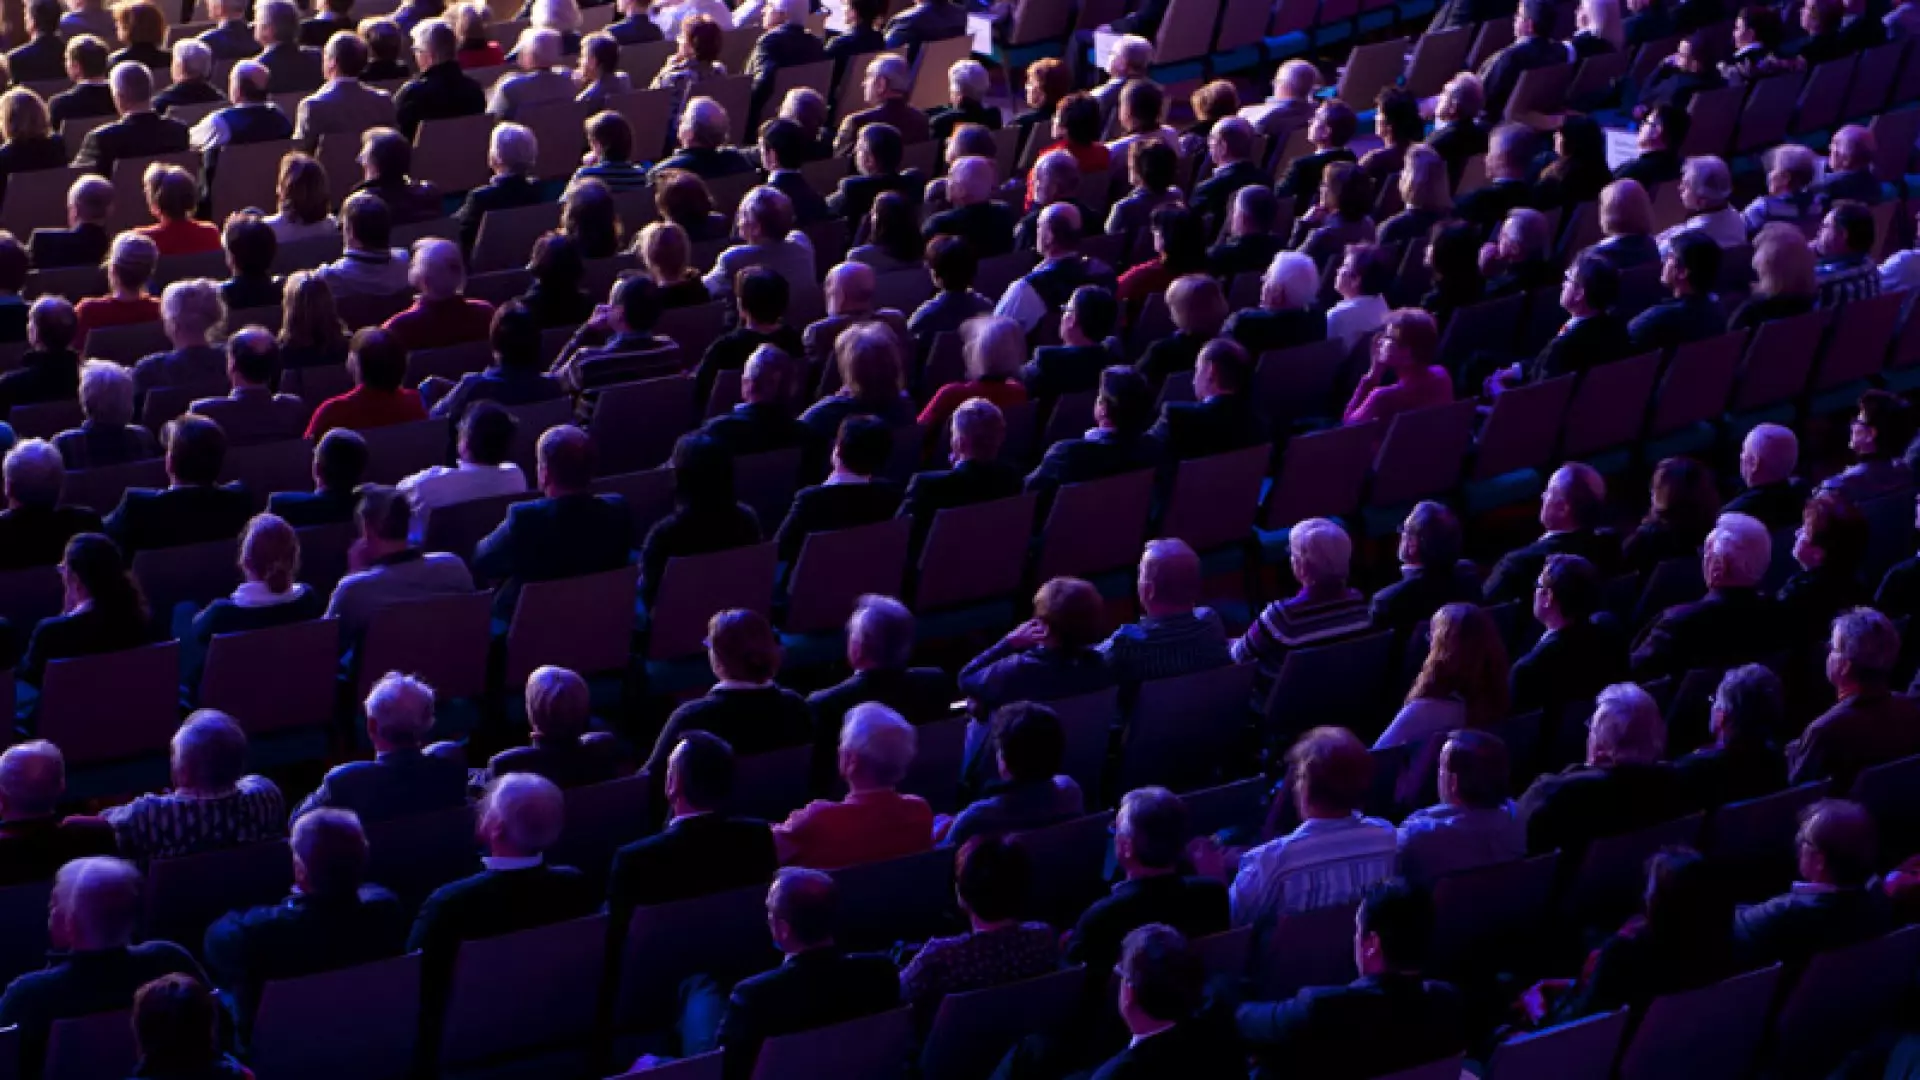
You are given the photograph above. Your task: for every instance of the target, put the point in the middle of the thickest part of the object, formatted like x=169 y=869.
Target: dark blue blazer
x=827 y=507
x=495 y=902
x=1213 y=197
x=84 y=633
x=302 y=935
x=147 y=519
x=396 y=784
x=301 y=509
x=813 y=989
x=929 y=20
x=549 y=539
x=785 y=46
x=808 y=205
x=83 y=245
x=1074 y=461
x=1674 y=323
x=692 y=856
x=1218 y=425
x=1065 y=369
x=38 y=535
x=752 y=428
x=967 y=483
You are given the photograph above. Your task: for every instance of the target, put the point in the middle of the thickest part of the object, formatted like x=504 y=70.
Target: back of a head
x=1172 y=568
x=638 y=299
x=743 y=645
x=515 y=336
x=99 y=900
x=377 y=359
x=34 y=474
x=702 y=472
x=1400 y=918
x=1031 y=740
x=565 y=455
x=209 y=752
x=1330 y=770
x=196 y=449
x=1126 y=398
x=1626 y=728
x=993 y=876
x=1843 y=834
x=807 y=901
x=1155 y=822
x=1739 y=551
x=33 y=776
x=880 y=740
x=340 y=461
x=1750 y=705
x=559 y=704
x=1478 y=762
x=1434 y=532
x=176 y=1023
x=253 y=356
x=703 y=766
x=526 y=809
x=1868 y=644
x=369 y=223
x=1575 y=584
x=882 y=629
x=400 y=708
x=1162 y=976
x=331 y=848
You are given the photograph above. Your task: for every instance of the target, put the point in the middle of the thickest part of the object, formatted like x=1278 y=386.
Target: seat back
x=417 y=854
x=112 y=706
x=836 y=568
x=92 y=1046
x=909 y=898
x=1486 y=915
x=1779 y=359
x=635 y=425
x=125 y=345
x=443 y=640
x=972 y=1031
x=193 y=574
x=1613 y=873
x=458 y=528
x=46 y=419
x=1422 y=454
x=264 y=468
x=1309 y=948
x=1668 y=1044
x=1609 y=406
x=38 y=199
x=1184 y=728
x=1540 y=91
x=185 y=895
x=1069 y=863
x=1715 y=113
x=696 y=586
x=1768 y=111
x=1341 y=683
x=1842 y=997
x=529 y=990
x=708 y=1066
x=1858 y=348
x=1229 y=806
x=273 y=680
x=1823 y=96
x=1697 y=384
x=1088 y=720
x=303 y=1032
x=875 y=1046
x=975 y=553
x=773 y=783
x=600 y=818
x=1096 y=526
x=766 y=482
x=1292 y=384
x=450 y=362
x=1892 y=792
x=1215 y=498
x=723 y=935
x=397 y=451
x=583 y=624
x=247 y=175
x=1322 y=474
x=1759 y=832
x=1582 y=1050
x=1522 y=429
x=451 y=154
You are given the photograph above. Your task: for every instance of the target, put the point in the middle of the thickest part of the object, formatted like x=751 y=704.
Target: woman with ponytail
x=270 y=594
x=103 y=612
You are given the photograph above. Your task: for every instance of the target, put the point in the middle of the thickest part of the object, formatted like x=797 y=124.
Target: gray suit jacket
x=344 y=106
x=516 y=92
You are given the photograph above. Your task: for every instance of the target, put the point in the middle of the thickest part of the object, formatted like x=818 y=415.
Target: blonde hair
x=665 y=251
x=1466 y=659
x=270 y=552
x=308 y=317
x=1784 y=262
x=869 y=361
x=1424 y=181
x=996 y=346
x=23 y=115
x=1625 y=209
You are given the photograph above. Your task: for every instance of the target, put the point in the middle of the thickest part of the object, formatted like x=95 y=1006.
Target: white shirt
x=1123 y=145
x=255 y=594
x=441 y=486
x=1900 y=271
x=1350 y=320
x=668 y=19
x=1724 y=226
x=288 y=231
x=1324 y=862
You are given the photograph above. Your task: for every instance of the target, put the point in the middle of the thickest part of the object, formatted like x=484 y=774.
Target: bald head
x=565 y=461
x=849 y=289
x=1576 y=494
x=801 y=907
x=33 y=776
x=1851 y=149
x=1838 y=844
x=1059 y=230
x=1169 y=578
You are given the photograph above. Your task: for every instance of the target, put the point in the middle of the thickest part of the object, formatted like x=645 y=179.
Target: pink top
x=866 y=826
x=1374 y=402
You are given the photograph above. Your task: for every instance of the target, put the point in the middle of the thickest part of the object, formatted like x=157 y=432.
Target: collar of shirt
x=678 y=818
x=1145 y=1035
x=739 y=684
x=511 y=862
x=838 y=478
x=1320 y=825
x=257 y=594
x=1812 y=888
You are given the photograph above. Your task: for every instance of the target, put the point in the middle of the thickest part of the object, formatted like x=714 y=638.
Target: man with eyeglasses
x=1571 y=510
x=1582 y=651
x=1661 y=135
x=1591 y=336
x=1833 y=904
x=1742 y=762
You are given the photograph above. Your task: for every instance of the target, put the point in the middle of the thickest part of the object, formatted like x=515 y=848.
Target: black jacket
x=1570 y=664
x=967 y=483
x=813 y=989
x=1420 y=592
x=853 y=199
x=1373 y=1026
x=1171 y=355
x=1717 y=775
x=550 y=539
x=1650 y=168
x=808 y=204
x=85 y=633
x=302 y=935
x=926 y=20
x=30 y=155
x=1457 y=143
x=987 y=226
x=753 y=720
x=921 y=695
x=147 y=519
x=1074 y=461
x=1569 y=809
x=752 y=428
x=693 y=531
x=1777 y=505
x=441 y=92
x=1488 y=206
x=500 y=193
x=569 y=763
x=1213 y=197
x=1196 y=1049
x=1244 y=254
x=1724 y=628
x=38 y=535
x=788 y=45
x=41 y=377
x=292 y=67
x=1595 y=340
x=1790 y=928
x=693 y=856
x=54 y=249
x=42 y=59
x=827 y=507
x=302 y=509
x=1502 y=71
x=1302 y=182
x=491 y=903
x=83 y=101
x=1195 y=906
x=1261 y=331
x=1065 y=369
x=1218 y=425
x=945 y=118
x=1514 y=575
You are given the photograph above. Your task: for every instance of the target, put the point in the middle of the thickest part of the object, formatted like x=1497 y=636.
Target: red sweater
x=364 y=407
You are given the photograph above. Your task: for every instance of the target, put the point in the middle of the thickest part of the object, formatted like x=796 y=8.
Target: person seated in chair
x=1029 y=792
x=1119 y=441
x=880 y=641
x=385 y=567
x=1662 y=132
x=568 y=532
x=1331 y=130
x=1223 y=418
x=1773 y=495
x=251 y=412
x=333 y=919
x=406 y=777
x=107 y=436
x=213 y=804
x=1174 y=636
x=35 y=527
x=36 y=840
x=562 y=749
x=1735 y=623
x=1745 y=715
x=513 y=152
x=195 y=507
x=1870 y=724
x=1622 y=786
x=702 y=850
x=140 y=131
x=1432 y=574
x=1230 y=146
x=1474 y=824
x=1251 y=242
x=270 y=595
x=707 y=517
x=84 y=241
x=520 y=820
x=1571 y=511
x=1051 y=656
x=746 y=707
x=1850 y=169
x=977 y=474
x=1582 y=651
x=874 y=822
x=339 y=464
x=1836 y=901
x=1325 y=609
x=854 y=493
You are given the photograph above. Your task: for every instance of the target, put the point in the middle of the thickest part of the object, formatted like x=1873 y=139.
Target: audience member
x=1152 y=168
x=1325 y=609
x=345 y=106
x=1869 y=724
x=706 y=518
x=1683 y=508
x=1150 y=834
x=214 y=803
x=1329 y=133
x=746 y=707
x=251 y=246
x=1474 y=824
x=1582 y=651
x=992 y=881
x=1833 y=904
x=1790 y=196
x=1029 y=792
x=1287 y=315
x=1407 y=346
x=1432 y=574
x=512 y=154
x=384 y=566
x=406 y=777
x=1117 y=443
x=1829 y=548
x=35 y=526
x=1051 y=656
x=194 y=507
x=1879 y=436
x=1622 y=786
x=1571 y=511
x=441 y=315
x=36 y=840
x=441 y=91
x=269 y=595
x=1461 y=684
x=49 y=370
x=339 y=463
x=139 y=132
x=701 y=850
x=130 y=265
x=386 y=157
x=107 y=436
x=378 y=363
x=1845 y=246
x=1425 y=192
x=1745 y=715
x=1787 y=278
x=1663 y=130
x=1224 y=418
x=1773 y=495
x=1174 y=635
x=1735 y=623
x=369 y=265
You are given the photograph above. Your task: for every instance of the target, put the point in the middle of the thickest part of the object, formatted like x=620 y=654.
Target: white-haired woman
x=995 y=347
x=1286 y=315
x=193 y=315
x=967 y=86
x=874 y=822
x=560 y=16
x=108 y=435
x=1324 y=609
x=512 y=155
